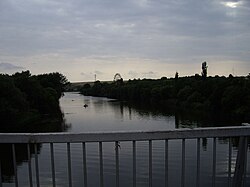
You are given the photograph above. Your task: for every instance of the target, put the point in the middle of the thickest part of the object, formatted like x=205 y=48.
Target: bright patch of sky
x=232 y=4
x=136 y=38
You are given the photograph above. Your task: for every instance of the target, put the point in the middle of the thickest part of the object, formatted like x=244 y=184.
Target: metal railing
x=36 y=138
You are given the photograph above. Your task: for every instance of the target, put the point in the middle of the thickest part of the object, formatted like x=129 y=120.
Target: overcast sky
x=136 y=38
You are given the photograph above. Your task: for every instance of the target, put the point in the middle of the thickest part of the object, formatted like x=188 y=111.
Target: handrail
x=233 y=131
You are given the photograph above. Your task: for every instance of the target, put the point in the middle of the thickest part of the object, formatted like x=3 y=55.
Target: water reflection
x=6 y=158
x=183 y=119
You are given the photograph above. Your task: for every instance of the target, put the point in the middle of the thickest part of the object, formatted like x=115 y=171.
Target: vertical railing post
x=214 y=162
x=84 y=164
x=134 y=163
x=37 y=166
x=14 y=164
x=245 y=165
x=240 y=163
x=150 y=163
x=229 y=161
x=52 y=164
x=29 y=165
x=198 y=163
x=117 y=163
x=166 y=163
x=69 y=164
x=101 y=164
x=183 y=164
x=0 y=175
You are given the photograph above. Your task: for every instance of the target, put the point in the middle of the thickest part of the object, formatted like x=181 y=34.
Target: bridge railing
x=238 y=179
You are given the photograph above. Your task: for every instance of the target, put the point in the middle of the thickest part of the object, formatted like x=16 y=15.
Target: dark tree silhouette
x=26 y=100
x=176 y=75
x=219 y=95
x=204 y=69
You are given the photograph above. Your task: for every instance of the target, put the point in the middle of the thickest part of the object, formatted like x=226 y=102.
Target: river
x=105 y=115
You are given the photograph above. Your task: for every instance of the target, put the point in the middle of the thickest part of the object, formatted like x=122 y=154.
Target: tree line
x=27 y=101
x=229 y=96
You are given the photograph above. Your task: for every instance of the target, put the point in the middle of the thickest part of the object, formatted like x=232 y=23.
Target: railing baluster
x=37 y=166
x=52 y=164
x=69 y=164
x=134 y=163
x=229 y=162
x=245 y=165
x=150 y=163
x=14 y=164
x=198 y=163
x=29 y=165
x=239 y=170
x=0 y=174
x=214 y=162
x=101 y=164
x=183 y=164
x=166 y=163
x=84 y=164
x=117 y=163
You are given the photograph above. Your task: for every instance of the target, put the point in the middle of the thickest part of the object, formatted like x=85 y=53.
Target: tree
x=176 y=75
x=204 y=69
x=56 y=81
x=27 y=100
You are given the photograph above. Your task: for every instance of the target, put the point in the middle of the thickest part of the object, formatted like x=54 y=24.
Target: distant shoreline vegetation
x=30 y=103
x=222 y=96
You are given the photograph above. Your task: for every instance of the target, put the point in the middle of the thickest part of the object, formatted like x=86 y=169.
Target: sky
x=136 y=38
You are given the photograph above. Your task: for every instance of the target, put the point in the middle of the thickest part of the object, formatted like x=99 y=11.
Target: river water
x=105 y=115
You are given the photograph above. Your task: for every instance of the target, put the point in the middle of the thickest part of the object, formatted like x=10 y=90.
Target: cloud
x=232 y=3
x=90 y=76
x=133 y=74
x=98 y=72
x=103 y=33
x=87 y=76
x=83 y=74
x=150 y=74
x=9 y=66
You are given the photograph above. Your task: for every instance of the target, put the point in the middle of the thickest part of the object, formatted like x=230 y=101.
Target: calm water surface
x=105 y=115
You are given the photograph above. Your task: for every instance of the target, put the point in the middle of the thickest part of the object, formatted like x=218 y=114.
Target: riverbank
x=221 y=96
